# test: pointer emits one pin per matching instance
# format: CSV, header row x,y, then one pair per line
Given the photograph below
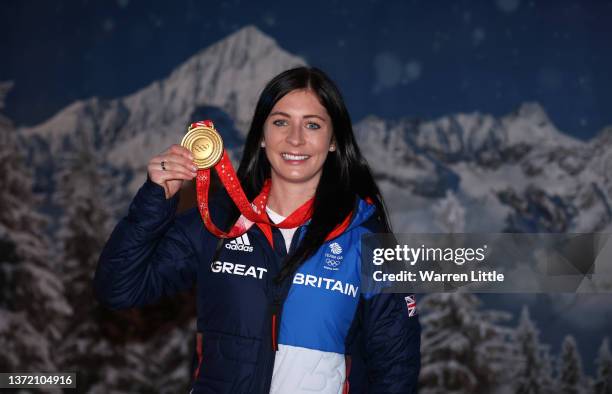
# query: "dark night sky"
x,y
390,58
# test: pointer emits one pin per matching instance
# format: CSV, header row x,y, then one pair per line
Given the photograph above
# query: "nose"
x,y
295,136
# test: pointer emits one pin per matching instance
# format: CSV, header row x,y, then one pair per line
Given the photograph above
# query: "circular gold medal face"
x,y
205,144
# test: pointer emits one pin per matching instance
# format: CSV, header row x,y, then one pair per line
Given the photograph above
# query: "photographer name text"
x,y
411,256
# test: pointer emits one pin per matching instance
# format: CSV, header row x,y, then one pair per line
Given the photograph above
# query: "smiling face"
x,y
297,138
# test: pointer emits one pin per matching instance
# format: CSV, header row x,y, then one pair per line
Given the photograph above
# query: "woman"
x,y
284,316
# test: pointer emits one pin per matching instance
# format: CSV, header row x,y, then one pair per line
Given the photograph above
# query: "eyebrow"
x,y
305,116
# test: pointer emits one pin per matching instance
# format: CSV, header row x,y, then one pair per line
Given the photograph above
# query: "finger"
x,y
163,176
156,159
178,166
181,150
180,161
159,174
174,150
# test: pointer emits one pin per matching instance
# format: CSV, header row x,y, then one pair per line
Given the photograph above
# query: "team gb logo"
x,y
335,248
333,259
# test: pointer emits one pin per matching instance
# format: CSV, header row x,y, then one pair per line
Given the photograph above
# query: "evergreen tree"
x,y
119,352
533,372
83,194
603,382
548,381
33,309
571,380
157,365
465,350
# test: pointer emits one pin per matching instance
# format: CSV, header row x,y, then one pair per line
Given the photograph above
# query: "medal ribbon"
x,y
251,212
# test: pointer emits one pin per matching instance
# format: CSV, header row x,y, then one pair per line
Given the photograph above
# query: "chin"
x,y
297,178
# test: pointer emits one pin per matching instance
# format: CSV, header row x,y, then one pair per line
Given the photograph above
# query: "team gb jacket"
x,y
316,333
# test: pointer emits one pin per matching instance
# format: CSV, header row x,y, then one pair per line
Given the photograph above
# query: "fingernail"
x,y
194,168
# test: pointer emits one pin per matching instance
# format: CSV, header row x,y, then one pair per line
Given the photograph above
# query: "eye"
x,y
312,125
280,122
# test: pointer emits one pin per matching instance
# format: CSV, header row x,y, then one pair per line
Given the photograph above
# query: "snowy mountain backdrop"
x,y
519,171
221,82
462,172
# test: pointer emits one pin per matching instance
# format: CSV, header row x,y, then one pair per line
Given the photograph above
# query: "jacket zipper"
x,y
276,308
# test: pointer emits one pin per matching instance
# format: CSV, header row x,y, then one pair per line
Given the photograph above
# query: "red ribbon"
x,y
251,212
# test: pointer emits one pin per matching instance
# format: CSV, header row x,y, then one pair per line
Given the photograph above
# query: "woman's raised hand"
x,y
170,168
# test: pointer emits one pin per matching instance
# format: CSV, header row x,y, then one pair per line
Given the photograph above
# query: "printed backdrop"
x,y
487,117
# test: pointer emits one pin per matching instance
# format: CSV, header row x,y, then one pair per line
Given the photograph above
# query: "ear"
x,y
332,143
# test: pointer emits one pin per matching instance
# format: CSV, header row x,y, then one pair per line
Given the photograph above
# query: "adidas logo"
x,y
241,243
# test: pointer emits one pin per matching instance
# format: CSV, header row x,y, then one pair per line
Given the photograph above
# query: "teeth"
x,y
288,156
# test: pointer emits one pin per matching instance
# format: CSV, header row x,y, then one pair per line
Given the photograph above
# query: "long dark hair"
x,y
345,176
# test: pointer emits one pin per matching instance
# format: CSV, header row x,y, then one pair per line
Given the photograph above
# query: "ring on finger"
x,y
163,165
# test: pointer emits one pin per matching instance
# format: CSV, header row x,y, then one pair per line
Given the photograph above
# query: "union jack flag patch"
x,y
411,304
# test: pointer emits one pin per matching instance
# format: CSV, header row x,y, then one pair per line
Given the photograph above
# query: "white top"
x,y
287,232
299,370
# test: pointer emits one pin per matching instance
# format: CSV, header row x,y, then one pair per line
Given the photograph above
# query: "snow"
x,y
388,71
603,381
412,71
449,214
34,307
5,88
571,378
464,348
478,36
508,6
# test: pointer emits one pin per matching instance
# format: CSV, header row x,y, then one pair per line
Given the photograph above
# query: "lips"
x,y
294,156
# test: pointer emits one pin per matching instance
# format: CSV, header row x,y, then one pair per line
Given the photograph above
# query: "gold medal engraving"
x,y
205,144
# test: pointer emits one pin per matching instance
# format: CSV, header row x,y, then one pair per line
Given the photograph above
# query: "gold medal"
x,y
205,144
